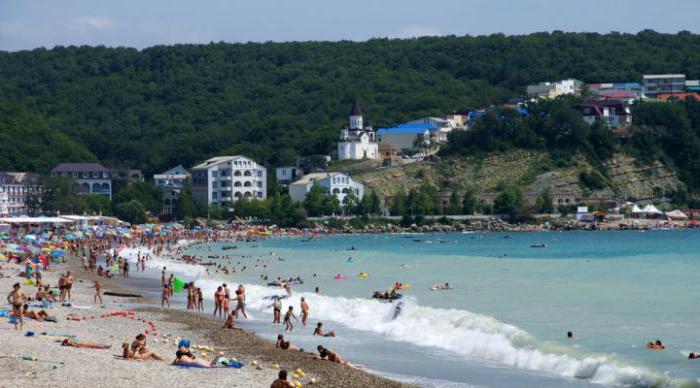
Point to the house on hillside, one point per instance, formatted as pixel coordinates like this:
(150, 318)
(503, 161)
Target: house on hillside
(618, 90)
(655, 84)
(335, 183)
(551, 90)
(357, 142)
(171, 182)
(90, 178)
(612, 113)
(288, 174)
(440, 127)
(225, 179)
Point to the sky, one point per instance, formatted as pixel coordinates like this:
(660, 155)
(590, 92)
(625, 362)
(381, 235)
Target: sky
(28, 24)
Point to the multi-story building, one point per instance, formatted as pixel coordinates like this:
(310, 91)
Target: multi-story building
(16, 188)
(335, 183)
(90, 178)
(406, 137)
(612, 113)
(618, 90)
(224, 179)
(357, 142)
(655, 84)
(172, 182)
(549, 90)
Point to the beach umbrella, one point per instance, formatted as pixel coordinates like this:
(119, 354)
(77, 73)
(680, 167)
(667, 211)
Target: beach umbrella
(29, 237)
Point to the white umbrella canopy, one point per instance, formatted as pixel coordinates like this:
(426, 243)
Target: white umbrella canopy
(651, 209)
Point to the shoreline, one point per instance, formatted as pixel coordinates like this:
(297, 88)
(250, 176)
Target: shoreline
(249, 346)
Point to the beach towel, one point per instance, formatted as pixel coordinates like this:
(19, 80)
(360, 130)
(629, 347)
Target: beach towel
(231, 364)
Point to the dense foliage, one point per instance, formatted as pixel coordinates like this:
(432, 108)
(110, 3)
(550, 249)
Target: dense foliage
(168, 105)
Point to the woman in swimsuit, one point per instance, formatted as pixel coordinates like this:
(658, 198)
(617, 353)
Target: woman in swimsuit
(184, 357)
(334, 357)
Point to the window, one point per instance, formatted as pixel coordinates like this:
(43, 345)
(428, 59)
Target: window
(237, 173)
(247, 184)
(259, 184)
(237, 184)
(260, 194)
(246, 173)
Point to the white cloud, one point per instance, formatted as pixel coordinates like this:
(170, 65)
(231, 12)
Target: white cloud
(96, 22)
(415, 31)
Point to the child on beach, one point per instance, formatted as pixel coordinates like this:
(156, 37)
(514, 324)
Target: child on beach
(227, 306)
(98, 292)
(319, 331)
(288, 319)
(281, 381)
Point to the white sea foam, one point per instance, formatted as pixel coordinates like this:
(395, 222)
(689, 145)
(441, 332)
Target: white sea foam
(468, 334)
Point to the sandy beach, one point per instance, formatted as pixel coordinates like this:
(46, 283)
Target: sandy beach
(57, 365)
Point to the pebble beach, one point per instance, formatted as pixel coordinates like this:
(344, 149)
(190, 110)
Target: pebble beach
(40, 360)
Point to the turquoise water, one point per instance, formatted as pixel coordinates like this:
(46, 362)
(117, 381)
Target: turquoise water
(505, 321)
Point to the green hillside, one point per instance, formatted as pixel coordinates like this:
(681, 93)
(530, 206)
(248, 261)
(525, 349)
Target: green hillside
(169, 105)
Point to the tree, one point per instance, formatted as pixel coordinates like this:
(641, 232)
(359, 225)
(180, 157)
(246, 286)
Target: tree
(148, 194)
(365, 206)
(330, 204)
(59, 194)
(469, 203)
(544, 203)
(97, 204)
(185, 207)
(132, 212)
(454, 207)
(350, 203)
(314, 201)
(375, 208)
(398, 205)
(509, 202)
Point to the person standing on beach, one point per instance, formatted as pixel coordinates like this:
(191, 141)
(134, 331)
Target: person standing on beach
(98, 292)
(277, 310)
(17, 299)
(219, 301)
(240, 301)
(62, 287)
(69, 284)
(171, 284)
(200, 300)
(164, 297)
(288, 326)
(126, 269)
(304, 311)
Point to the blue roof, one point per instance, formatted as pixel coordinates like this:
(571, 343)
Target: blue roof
(423, 126)
(402, 131)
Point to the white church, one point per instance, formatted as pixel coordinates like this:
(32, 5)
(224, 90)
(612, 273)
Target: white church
(357, 142)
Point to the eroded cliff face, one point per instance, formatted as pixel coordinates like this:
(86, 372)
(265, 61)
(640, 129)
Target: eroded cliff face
(532, 171)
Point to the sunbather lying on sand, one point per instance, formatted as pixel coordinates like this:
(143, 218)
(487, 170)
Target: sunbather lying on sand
(184, 357)
(83, 345)
(327, 354)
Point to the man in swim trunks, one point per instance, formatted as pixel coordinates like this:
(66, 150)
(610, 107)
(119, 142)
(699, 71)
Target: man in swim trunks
(165, 296)
(17, 299)
(304, 311)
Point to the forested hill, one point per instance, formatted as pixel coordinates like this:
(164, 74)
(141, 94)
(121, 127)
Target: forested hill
(169, 105)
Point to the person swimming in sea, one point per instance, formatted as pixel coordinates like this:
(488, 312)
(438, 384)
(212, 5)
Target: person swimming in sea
(655, 345)
(319, 331)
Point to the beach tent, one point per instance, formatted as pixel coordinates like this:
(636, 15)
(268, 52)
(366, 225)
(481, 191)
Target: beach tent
(636, 210)
(651, 210)
(676, 215)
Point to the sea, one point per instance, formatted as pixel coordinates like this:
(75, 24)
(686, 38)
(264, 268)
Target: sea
(503, 322)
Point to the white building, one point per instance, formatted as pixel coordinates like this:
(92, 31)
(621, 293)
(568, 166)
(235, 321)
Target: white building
(357, 142)
(225, 179)
(332, 182)
(549, 90)
(16, 188)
